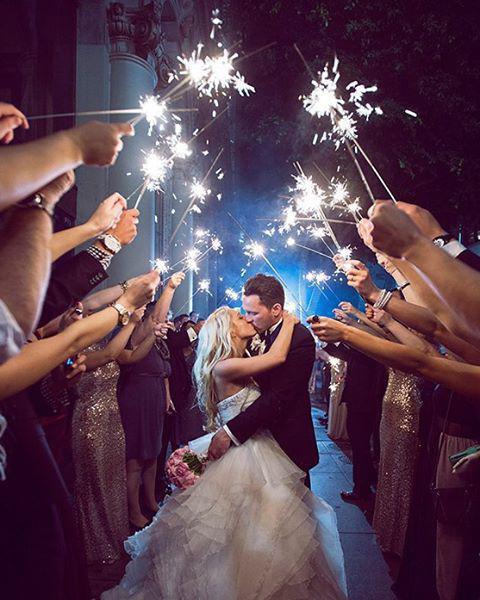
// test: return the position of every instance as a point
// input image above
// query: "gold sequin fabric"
(398, 451)
(98, 444)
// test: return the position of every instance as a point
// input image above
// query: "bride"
(249, 529)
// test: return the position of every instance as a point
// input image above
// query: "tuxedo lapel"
(271, 337)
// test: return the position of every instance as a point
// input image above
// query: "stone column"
(131, 77)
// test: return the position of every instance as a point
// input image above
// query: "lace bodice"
(230, 407)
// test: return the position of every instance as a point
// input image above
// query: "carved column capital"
(120, 28)
(147, 22)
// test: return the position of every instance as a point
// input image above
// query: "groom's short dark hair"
(267, 288)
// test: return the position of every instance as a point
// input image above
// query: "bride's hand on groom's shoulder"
(290, 318)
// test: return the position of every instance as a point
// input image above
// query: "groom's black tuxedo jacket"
(284, 405)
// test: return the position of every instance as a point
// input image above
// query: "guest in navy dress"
(142, 399)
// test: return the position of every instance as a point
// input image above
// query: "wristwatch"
(441, 240)
(111, 243)
(37, 201)
(123, 313)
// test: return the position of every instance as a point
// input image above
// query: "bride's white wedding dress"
(247, 530)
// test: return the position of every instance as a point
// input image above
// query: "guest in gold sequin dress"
(98, 445)
(399, 428)
(99, 457)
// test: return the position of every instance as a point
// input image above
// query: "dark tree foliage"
(422, 55)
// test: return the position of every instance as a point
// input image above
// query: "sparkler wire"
(193, 200)
(268, 262)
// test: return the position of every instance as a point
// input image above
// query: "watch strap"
(37, 201)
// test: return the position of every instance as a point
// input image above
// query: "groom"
(284, 405)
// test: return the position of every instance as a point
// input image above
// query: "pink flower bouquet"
(184, 467)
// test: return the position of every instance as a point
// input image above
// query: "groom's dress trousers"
(284, 405)
(365, 384)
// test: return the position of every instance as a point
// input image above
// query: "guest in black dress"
(142, 401)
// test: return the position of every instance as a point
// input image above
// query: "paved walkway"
(368, 574)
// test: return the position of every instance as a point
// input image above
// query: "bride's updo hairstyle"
(214, 344)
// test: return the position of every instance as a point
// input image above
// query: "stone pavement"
(369, 575)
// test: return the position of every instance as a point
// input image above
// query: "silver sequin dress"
(98, 444)
(398, 451)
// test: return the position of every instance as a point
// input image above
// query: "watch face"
(111, 243)
(440, 242)
(124, 319)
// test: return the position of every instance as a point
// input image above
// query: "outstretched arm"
(93, 144)
(104, 217)
(457, 376)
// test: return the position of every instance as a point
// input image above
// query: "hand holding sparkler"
(393, 232)
(348, 308)
(342, 316)
(422, 218)
(327, 330)
(161, 329)
(107, 214)
(126, 228)
(377, 315)
(10, 119)
(98, 143)
(358, 277)
(176, 279)
(141, 291)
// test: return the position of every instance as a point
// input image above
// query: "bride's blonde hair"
(215, 343)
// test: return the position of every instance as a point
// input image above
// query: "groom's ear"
(277, 310)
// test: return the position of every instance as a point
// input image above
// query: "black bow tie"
(267, 336)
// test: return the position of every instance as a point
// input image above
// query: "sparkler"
(153, 110)
(325, 101)
(258, 251)
(317, 277)
(178, 147)
(194, 196)
(155, 169)
(231, 294)
(211, 75)
(160, 265)
(204, 286)
(216, 22)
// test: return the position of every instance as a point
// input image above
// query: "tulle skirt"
(247, 530)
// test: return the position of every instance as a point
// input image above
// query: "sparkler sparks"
(325, 100)
(211, 75)
(231, 294)
(345, 253)
(198, 191)
(340, 193)
(160, 265)
(216, 245)
(204, 286)
(317, 277)
(178, 147)
(216, 22)
(308, 196)
(254, 249)
(155, 169)
(191, 260)
(154, 110)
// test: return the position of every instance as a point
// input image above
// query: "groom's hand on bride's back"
(219, 445)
